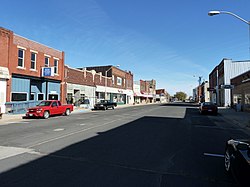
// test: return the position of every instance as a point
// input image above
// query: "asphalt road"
(152, 145)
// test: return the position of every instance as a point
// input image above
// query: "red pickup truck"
(48, 108)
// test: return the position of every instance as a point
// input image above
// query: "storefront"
(119, 96)
(81, 95)
(4, 76)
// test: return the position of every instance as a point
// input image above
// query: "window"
(46, 62)
(54, 104)
(119, 81)
(113, 79)
(40, 96)
(21, 58)
(55, 66)
(32, 96)
(53, 96)
(247, 99)
(18, 96)
(33, 61)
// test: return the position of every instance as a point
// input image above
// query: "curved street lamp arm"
(235, 15)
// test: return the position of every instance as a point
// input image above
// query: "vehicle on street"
(208, 107)
(49, 108)
(237, 160)
(104, 105)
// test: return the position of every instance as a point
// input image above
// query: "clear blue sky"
(169, 41)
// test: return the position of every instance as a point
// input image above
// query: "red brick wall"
(9, 43)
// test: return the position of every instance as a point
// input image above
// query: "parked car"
(237, 160)
(104, 105)
(48, 108)
(208, 107)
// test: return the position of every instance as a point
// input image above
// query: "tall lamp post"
(216, 12)
(106, 81)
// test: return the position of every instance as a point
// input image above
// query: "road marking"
(60, 129)
(214, 155)
(70, 134)
(82, 124)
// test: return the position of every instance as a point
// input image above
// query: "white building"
(4, 76)
(220, 79)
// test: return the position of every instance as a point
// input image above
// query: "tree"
(180, 96)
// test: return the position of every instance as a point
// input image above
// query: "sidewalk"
(241, 119)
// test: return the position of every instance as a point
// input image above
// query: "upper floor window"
(119, 81)
(56, 66)
(113, 79)
(46, 62)
(33, 60)
(21, 58)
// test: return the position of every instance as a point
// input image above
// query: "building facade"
(36, 71)
(220, 80)
(241, 91)
(148, 92)
(114, 84)
(162, 96)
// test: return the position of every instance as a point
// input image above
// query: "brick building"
(148, 88)
(36, 71)
(112, 83)
(220, 77)
(241, 91)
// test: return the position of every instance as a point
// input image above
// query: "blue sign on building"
(47, 71)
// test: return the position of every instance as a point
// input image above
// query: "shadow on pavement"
(150, 151)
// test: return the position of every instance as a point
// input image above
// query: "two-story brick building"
(114, 84)
(36, 71)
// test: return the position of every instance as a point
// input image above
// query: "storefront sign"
(47, 71)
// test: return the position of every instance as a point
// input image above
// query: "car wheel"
(228, 161)
(46, 114)
(67, 112)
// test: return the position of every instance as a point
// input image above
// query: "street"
(154, 145)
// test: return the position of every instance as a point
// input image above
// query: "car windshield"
(44, 103)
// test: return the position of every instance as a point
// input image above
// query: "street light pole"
(216, 12)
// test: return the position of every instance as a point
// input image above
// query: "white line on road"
(60, 129)
(82, 124)
(214, 155)
(69, 134)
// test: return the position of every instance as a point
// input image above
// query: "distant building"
(162, 96)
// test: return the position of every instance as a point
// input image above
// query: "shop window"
(247, 99)
(21, 58)
(32, 97)
(40, 96)
(69, 98)
(18, 96)
(53, 96)
(237, 98)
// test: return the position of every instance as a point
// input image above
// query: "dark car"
(237, 160)
(104, 105)
(208, 107)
